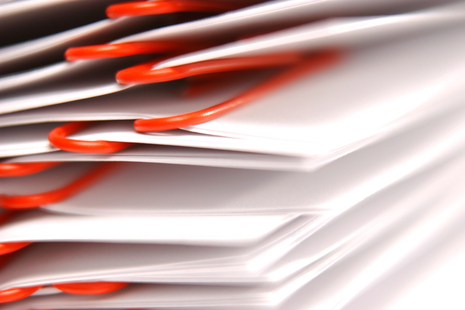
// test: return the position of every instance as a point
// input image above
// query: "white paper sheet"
(358, 99)
(343, 234)
(337, 186)
(180, 156)
(274, 14)
(44, 97)
(347, 236)
(90, 261)
(331, 290)
(432, 280)
(338, 32)
(211, 230)
(408, 88)
(25, 140)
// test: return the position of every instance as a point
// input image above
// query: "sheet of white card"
(211, 230)
(257, 262)
(180, 156)
(84, 261)
(407, 89)
(366, 220)
(336, 287)
(432, 280)
(338, 32)
(337, 186)
(342, 235)
(266, 11)
(24, 140)
(274, 14)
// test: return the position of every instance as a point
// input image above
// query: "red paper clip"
(22, 202)
(9, 247)
(92, 288)
(139, 8)
(15, 294)
(20, 169)
(149, 47)
(144, 74)
(299, 69)
(299, 66)
(58, 138)
(114, 50)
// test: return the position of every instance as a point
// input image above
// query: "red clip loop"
(139, 8)
(20, 169)
(36, 200)
(58, 138)
(14, 294)
(93, 288)
(9, 247)
(312, 64)
(125, 49)
(144, 74)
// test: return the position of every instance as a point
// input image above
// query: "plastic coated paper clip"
(297, 65)
(84, 288)
(114, 50)
(140, 8)
(21, 202)
(58, 138)
(20, 169)
(15, 294)
(300, 67)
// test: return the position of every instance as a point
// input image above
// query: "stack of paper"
(220, 154)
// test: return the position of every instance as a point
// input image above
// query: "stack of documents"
(225, 154)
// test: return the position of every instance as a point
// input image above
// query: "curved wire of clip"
(140, 8)
(21, 202)
(14, 294)
(113, 50)
(10, 247)
(20, 169)
(58, 138)
(300, 68)
(144, 74)
(298, 65)
(88, 288)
